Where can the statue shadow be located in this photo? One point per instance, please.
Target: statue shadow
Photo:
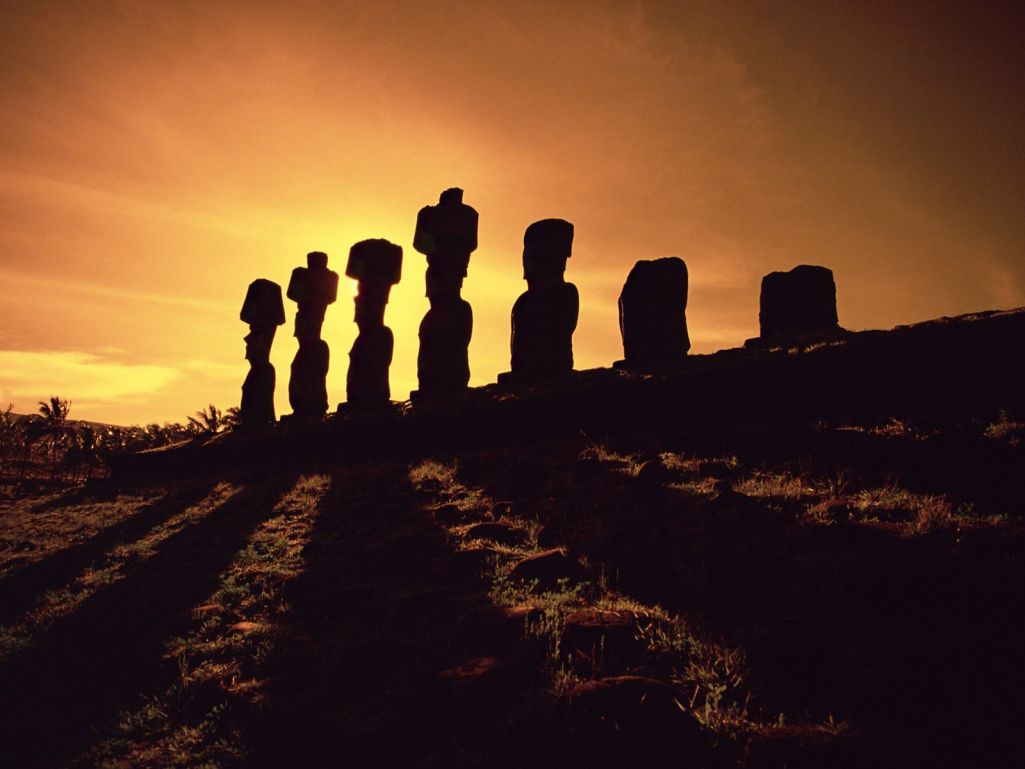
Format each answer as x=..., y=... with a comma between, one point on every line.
x=93, y=663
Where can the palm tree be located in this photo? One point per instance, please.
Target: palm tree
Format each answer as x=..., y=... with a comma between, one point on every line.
x=207, y=422
x=55, y=418
x=232, y=418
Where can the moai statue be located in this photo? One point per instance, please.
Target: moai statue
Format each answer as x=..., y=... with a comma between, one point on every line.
x=653, y=315
x=313, y=287
x=446, y=234
x=264, y=312
x=545, y=315
x=377, y=266
x=797, y=305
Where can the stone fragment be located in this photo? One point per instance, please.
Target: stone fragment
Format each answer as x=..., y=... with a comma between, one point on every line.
x=653, y=315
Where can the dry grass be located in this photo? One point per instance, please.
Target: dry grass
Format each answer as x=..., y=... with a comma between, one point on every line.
x=235, y=630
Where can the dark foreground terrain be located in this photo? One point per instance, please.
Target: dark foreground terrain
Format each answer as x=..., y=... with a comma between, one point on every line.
x=798, y=558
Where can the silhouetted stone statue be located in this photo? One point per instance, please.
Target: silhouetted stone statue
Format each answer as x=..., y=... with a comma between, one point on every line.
x=446, y=234
x=797, y=305
x=545, y=315
x=653, y=315
x=377, y=266
x=313, y=287
x=264, y=312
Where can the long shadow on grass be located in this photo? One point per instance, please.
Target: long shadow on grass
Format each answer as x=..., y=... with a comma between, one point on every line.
x=379, y=615
x=915, y=640
x=19, y=590
x=97, y=661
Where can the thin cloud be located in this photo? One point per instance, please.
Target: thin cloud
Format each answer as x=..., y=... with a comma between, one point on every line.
x=83, y=377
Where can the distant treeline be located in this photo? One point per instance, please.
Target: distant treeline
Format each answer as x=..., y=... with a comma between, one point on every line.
x=47, y=446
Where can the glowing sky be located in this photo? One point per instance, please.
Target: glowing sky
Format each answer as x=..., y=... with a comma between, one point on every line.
x=155, y=158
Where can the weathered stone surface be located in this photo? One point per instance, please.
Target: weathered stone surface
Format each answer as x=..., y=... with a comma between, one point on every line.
x=263, y=303
x=443, y=363
x=370, y=358
x=377, y=265
x=549, y=568
x=446, y=234
x=543, y=321
x=547, y=244
x=653, y=314
x=375, y=261
x=307, y=387
x=313, y=288
x=801, y=301
x=257, y=406
x=545, y=316
x=596, y=641
x=264, y=312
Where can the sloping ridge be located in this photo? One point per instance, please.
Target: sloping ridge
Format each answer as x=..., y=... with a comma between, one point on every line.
x=946, y=367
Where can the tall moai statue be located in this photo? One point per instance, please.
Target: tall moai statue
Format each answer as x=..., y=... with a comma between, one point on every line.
x=799, y=305
x=313, y=288
x=446, y=234
x=653, y=315
x=376, y=265
x=264, y=311
x=545, y=315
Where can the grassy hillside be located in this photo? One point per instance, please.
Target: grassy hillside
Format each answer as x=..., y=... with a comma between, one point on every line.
x=767, y=559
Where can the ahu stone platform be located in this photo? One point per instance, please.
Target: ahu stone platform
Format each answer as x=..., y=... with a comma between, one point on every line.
x=942, y=367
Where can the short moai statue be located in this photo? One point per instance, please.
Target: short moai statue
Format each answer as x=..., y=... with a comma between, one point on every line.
x=545, y=315
x=796, y=306
x=653, y=315
x=446, y=234
x=376, y=265
x=264, y=311
x=313, y=288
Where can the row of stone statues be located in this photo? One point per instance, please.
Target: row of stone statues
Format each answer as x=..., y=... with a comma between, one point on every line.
x=800, y=304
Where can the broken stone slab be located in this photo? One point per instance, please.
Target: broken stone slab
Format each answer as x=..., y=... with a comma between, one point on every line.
x=653, y=315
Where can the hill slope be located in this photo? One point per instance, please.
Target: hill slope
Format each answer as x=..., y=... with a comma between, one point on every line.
x=765, y=559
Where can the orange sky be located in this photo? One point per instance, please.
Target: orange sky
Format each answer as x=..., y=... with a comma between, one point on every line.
x=155, y=158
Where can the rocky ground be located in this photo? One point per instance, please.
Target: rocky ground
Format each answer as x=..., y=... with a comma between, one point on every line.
x=818, y=586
